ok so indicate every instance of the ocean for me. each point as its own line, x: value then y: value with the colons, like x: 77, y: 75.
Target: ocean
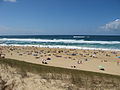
x: 99, y: 42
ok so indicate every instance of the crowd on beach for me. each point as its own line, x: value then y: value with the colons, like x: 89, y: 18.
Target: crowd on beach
x: 50, y: 56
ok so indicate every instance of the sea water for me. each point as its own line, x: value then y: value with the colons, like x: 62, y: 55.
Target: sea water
x: 99, y: 42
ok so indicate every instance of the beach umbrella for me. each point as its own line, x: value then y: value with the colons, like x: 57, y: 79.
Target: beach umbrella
x: 100, y: 66
x: 118, y: 57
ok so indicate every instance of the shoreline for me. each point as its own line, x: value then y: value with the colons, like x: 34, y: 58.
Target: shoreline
x: 61, y: 47
x: 87, y: 60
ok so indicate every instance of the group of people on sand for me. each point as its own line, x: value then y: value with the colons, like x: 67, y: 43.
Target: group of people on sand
x: 2, y: 55
x: 79, y: 56
x: 44, y: 61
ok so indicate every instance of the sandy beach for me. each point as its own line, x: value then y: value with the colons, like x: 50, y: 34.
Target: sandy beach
x: 88, y: 60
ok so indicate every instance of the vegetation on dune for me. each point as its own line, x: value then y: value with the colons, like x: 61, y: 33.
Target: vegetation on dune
x: 77, y: 77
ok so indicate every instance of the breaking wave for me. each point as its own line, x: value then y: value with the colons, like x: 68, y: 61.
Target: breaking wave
x: 60, y: 46
x: 61, y: 40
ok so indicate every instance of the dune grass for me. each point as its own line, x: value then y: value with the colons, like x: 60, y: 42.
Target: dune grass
x: 78, y: 77
x: 38, y: 68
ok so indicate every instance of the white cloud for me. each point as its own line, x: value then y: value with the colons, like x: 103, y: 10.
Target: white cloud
x: 114, y: 25
x: 9, y: 0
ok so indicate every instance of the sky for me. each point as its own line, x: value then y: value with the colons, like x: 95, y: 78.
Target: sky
x: 59, y: 17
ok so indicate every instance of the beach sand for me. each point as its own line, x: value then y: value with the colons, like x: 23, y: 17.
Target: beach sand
x: 88, y: 60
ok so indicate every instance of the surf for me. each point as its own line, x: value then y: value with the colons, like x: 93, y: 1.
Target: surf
x: 61, y: 40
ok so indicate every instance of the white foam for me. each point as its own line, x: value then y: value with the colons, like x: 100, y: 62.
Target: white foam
x: 60, y: 46
x: 61, y: 40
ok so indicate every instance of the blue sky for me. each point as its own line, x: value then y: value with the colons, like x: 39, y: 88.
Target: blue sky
x: 59, y: 17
